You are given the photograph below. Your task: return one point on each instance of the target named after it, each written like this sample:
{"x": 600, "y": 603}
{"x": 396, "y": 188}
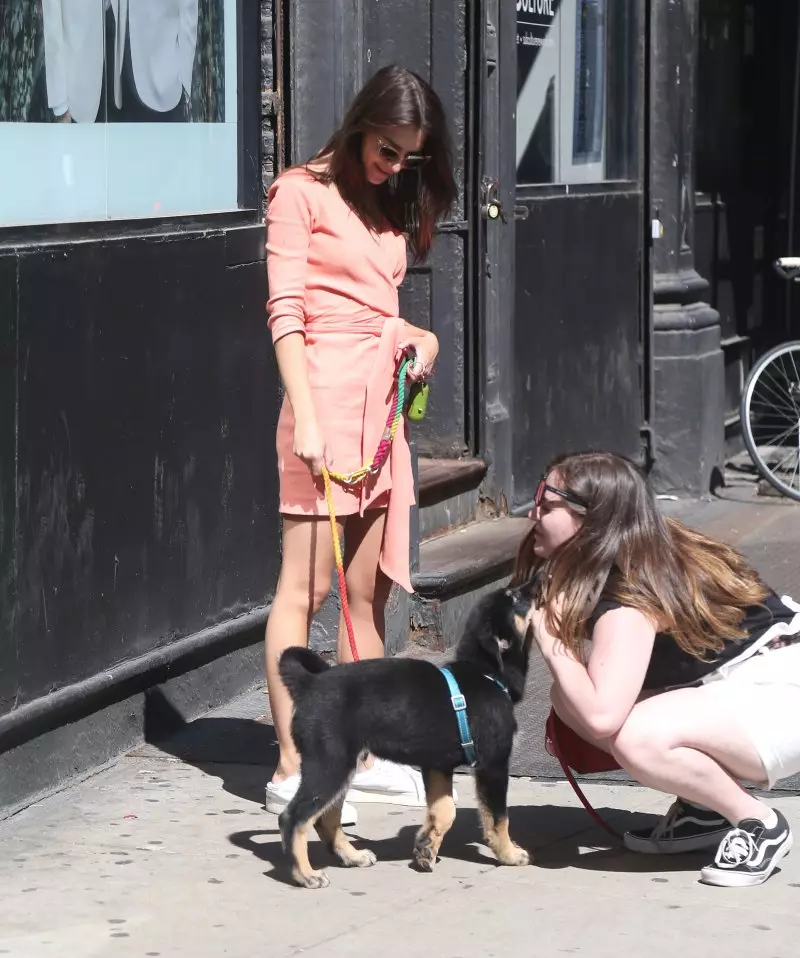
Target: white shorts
{"x": 764, "y": 691}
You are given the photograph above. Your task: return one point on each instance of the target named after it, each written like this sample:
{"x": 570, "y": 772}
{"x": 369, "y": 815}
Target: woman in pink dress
{"x": 338, "y": 229}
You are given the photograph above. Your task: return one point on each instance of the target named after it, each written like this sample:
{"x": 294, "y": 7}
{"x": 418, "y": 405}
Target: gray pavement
{"x": 156, "y": 857}
{"x": 765, "y": 528}
{"x": 169, "y": 852}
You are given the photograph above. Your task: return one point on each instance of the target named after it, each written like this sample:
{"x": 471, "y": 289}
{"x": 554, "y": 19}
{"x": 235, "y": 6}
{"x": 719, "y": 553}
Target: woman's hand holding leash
{"x": 425, "y": 348}
{"x": 310, "y": 445}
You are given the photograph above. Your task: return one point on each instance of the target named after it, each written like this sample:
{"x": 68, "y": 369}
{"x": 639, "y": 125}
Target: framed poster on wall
{"x": 113, "y": 109}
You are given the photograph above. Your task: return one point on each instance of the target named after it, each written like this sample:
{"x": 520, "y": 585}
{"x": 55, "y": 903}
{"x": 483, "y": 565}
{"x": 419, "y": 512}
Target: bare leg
{"x": 367, "y": 589}
{"x": 439, "y": 820}
{"x": 303, "y": 586}
{"x": 690, "y": 743}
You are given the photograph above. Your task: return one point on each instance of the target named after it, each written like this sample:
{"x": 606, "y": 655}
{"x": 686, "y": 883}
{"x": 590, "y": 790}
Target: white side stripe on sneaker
{"x": 739, "y": 848}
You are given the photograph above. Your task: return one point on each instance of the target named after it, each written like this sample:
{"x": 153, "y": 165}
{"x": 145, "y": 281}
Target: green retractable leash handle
{"x": 418, "y": 399}
{"x": 419, "y": 402}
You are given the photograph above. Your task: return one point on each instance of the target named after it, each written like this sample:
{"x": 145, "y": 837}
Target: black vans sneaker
{"x": 749, "y": 853}
{"x": 685, "y": 828}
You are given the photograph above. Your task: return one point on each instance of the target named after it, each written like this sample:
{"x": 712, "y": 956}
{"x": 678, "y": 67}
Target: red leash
{"x": 595, "y": 760}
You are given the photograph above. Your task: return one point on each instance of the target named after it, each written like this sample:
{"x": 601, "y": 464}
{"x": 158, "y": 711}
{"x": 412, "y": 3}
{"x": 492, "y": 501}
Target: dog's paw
{"x": 516, "y": 856}
{"x": 361, "y": 859}
{"x": 424, "y": 854}
{"x": 314, "y": 879}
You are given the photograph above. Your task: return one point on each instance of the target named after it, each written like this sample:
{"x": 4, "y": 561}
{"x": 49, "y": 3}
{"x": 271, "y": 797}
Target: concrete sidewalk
{"x": 158, "y": 857}
{"x": 169, "y": 851}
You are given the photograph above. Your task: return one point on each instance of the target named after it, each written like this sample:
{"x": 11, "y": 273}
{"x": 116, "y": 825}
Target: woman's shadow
{"x": 238, "y": 750}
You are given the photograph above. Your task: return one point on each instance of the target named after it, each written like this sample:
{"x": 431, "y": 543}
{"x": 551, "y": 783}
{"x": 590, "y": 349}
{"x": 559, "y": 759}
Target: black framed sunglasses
{"x": 569, "y": 497}
{"x": 409, "y": 161}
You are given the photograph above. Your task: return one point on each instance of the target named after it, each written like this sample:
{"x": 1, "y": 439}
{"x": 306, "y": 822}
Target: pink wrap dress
{"x": 335, "y": 281}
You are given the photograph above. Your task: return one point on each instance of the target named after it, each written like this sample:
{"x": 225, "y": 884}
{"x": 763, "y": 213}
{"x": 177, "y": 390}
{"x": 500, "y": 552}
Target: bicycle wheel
{"x": 770, "y": 412}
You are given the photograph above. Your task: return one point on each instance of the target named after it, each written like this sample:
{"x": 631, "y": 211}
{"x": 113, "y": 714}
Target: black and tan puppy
{"x": 401, "y": 710}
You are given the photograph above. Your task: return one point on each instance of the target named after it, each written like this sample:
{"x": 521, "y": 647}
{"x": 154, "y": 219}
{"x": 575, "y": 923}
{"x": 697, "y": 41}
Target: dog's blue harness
{"x": 460, "y": 708}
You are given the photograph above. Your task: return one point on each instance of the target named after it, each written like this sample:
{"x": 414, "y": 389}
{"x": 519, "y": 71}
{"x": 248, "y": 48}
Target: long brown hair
{"x": 693, "y": 587}
{"x": 414, "y": 203}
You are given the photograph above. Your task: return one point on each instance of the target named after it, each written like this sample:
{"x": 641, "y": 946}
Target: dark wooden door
{"x": 578, "y": 316}
{"x": 335, "y": 46}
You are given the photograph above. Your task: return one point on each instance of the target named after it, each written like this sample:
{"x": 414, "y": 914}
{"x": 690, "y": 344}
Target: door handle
{"x": 493, "y": 210}
{"x": 491, "y": 207}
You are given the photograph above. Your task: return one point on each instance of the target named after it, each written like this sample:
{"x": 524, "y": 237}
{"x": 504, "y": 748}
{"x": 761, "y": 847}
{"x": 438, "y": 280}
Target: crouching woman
{"x": 668, "y": 652}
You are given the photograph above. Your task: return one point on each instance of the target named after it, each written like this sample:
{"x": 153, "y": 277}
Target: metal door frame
{"x": 494, "y": 24}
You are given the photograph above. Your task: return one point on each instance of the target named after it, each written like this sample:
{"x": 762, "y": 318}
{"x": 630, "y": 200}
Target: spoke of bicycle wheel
{"x": 786, "y": 378}
{"x": 794, "y": 473}
{"x": 791, "y": 355}
{"x": 789, "y": 456}
{"x": 772, "y": 428}
{"x": 765, "y": 407}
{"x": 779, "y": 399}
{"x": 783, "y": 455}
{"x": 789, "y": 482}
{"x": 772, "y": 422}
{"x": 780, "y": 391}
{"x": 778, "y": 439}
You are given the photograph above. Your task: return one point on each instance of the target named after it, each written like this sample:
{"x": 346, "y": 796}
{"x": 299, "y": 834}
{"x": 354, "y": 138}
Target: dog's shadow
{"x": 240, "y": 752}
{"x": 557, "y": 837}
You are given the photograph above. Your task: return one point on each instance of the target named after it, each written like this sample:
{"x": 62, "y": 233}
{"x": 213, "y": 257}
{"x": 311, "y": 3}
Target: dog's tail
{"x": 297, "y": 668}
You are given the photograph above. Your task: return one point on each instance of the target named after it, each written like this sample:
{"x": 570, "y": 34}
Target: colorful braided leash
{"x": 356, "y": 479}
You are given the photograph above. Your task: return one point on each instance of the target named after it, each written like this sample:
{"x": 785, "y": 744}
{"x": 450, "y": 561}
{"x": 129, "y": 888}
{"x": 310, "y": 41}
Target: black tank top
{"x": 671, "y": 666}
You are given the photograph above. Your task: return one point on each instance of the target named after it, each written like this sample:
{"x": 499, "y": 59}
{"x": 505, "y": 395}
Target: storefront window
{"x": 572, "y": 68}
{"x": 113, "y": 109}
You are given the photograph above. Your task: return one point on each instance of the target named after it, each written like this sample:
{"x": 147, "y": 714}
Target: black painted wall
{"x": 8, "y": 492}
{"x": 138, "y": 402}
{"x": 146, "y": 401}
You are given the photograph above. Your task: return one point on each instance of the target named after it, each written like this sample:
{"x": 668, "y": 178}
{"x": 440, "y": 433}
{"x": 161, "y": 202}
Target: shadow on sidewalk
{"x": 239, "y": 751}
{"x": 553, "y": 834}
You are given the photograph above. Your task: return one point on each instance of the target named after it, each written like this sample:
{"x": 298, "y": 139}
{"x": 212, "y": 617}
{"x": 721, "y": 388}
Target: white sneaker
{"x": 388, "y": 784}
{"x": 278, "y": 796}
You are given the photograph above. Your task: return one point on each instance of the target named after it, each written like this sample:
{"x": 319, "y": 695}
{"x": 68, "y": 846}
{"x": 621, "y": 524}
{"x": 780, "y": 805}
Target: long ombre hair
{"x": 414, "y": 200}
{"x": 693, "y": 587}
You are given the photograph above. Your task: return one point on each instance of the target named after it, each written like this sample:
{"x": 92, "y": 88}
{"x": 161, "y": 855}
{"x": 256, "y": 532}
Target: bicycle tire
{"x": 747, "y": 413}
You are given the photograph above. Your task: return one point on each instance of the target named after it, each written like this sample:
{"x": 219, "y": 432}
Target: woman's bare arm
{"x": 602, "y": 694}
